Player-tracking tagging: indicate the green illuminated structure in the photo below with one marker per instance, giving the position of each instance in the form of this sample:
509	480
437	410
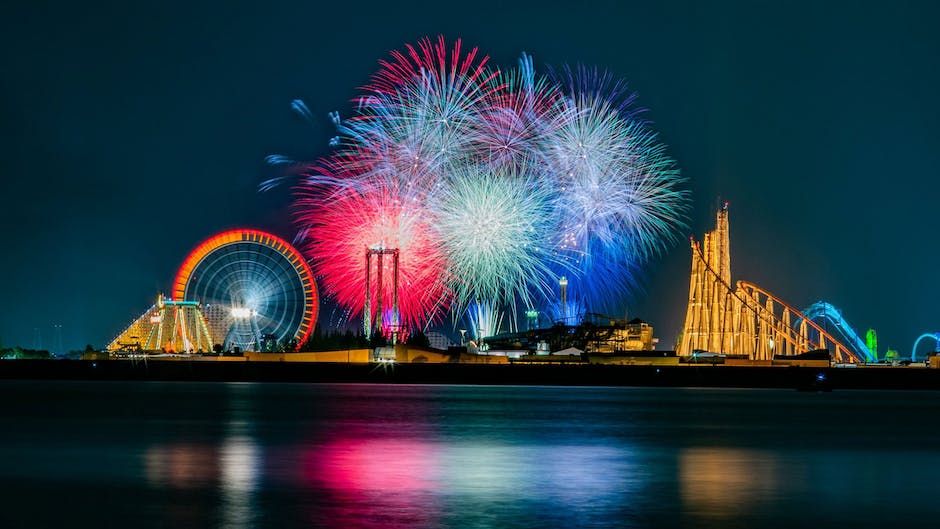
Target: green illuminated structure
891	356
871	341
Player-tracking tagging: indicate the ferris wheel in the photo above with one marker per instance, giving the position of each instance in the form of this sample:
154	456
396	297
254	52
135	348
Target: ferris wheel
254	289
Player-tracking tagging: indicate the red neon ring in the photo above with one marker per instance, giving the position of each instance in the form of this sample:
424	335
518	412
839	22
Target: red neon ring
311	300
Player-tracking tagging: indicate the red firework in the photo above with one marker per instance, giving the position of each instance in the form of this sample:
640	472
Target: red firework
373	192
430	58
341	229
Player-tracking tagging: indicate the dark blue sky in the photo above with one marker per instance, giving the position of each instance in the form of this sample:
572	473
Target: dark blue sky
131	133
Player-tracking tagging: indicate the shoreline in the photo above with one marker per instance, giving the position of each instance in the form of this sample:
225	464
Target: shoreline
802	378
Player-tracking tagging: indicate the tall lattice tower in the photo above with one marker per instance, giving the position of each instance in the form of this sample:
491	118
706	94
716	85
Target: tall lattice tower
717	246
375	321
708	303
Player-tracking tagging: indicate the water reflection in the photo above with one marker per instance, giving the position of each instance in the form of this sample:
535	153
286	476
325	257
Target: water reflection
397	457
373	465
241	463
285	455
396	482
181	466
233	466
725	482
240	460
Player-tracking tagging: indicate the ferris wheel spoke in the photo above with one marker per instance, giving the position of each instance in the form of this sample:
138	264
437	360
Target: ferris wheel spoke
251	286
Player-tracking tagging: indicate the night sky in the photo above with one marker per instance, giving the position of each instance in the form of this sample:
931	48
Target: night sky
131	133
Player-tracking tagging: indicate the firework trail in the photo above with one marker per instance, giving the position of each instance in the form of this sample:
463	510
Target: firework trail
302	110
484	319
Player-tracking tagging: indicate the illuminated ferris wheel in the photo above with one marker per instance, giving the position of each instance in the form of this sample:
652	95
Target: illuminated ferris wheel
254	289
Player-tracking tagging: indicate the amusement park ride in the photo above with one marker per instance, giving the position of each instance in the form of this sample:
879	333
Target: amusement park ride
250	290
240	289
375	321
744	319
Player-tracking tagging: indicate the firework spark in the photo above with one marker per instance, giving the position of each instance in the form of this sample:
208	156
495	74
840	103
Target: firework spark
492	184
418	117
618	205
340	231
491	226
485	319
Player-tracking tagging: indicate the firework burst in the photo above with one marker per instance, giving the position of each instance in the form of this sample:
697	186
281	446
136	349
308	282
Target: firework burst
341	230
491	184
491	226
418	117
617	199
519	117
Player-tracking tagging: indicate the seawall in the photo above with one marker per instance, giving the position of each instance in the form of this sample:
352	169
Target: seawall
807	378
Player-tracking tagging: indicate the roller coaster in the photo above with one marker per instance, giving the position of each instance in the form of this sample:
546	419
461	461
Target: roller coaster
743	319
831	318
934	335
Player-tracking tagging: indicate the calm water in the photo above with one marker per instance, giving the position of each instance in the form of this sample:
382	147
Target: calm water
82	454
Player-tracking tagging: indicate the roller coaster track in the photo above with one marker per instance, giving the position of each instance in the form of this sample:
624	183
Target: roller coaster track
934	335
826	312
745	319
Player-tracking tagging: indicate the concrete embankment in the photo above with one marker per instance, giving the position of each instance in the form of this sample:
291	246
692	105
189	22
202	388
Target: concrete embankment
808	378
